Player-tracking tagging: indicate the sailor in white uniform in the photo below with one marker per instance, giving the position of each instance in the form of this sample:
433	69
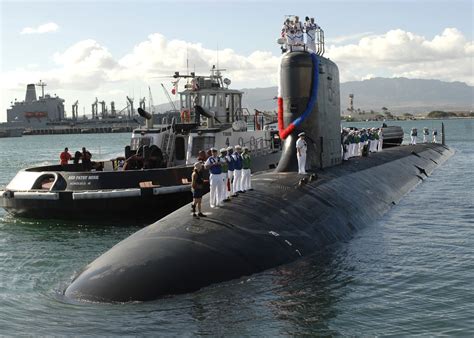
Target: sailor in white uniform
380	145
435	133
299	36
215	170
284	31
246	170
237	184
310	29
426	133
290	37
413	134
301	148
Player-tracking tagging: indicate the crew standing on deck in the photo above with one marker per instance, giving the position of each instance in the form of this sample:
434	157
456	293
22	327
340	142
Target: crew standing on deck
65	157
413	134
301	148
230	169
215	170
237	187
246	171
310	29
197	188
225	193
380	145
435	133
426	133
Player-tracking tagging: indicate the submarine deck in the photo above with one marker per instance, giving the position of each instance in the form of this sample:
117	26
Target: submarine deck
278	222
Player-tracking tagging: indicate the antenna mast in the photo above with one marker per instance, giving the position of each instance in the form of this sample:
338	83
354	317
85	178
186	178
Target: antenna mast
42	85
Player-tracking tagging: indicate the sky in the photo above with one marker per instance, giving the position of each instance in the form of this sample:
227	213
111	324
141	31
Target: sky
111	49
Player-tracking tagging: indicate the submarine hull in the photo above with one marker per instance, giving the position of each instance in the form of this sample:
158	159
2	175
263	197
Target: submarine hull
286	217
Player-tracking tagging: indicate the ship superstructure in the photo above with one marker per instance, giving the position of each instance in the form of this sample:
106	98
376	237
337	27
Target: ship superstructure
36	112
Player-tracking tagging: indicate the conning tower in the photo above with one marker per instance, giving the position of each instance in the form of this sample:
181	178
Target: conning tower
309	101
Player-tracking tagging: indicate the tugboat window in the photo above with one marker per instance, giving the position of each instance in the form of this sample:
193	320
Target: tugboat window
202	143
180	153
138	142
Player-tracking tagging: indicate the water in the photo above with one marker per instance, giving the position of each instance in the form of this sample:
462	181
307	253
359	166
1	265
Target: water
410	273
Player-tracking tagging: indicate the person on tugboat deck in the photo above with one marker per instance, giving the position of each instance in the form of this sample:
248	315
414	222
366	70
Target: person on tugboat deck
197	188
86	159
65	157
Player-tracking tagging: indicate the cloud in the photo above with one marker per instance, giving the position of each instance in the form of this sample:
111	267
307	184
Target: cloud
88	65
447	56
159	56
345	38
41	29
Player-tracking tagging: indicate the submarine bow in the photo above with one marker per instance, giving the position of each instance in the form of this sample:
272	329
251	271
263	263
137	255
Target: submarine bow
286	217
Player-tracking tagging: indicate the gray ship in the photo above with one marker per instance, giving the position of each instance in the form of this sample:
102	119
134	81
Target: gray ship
46	115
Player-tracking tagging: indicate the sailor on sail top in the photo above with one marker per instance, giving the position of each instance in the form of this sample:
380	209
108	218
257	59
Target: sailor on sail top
225	192
301	148
231	168
284	31
435	133
246	172
215	170
237	184
290	36
310	29
413	134
299	37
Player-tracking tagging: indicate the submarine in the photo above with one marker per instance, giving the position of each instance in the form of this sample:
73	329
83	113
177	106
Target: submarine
287	216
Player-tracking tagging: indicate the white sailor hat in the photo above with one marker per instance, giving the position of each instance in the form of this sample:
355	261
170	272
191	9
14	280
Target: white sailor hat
238	146
301	134
213	149
230	148
223	150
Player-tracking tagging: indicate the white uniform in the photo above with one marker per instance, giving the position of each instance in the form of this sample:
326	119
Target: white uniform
225	193
215	181
246	173
284	31
413	134
299	36
290	38
426	133
310	29
301	155
380	145
435	133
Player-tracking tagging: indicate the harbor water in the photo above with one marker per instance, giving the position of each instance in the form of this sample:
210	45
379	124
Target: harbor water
410	273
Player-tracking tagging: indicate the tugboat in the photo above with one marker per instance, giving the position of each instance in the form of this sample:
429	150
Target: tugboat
152	179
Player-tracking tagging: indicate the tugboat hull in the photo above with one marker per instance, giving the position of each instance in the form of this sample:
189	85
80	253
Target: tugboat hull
135	196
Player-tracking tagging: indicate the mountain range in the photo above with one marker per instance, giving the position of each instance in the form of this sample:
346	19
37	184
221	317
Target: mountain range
398	95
